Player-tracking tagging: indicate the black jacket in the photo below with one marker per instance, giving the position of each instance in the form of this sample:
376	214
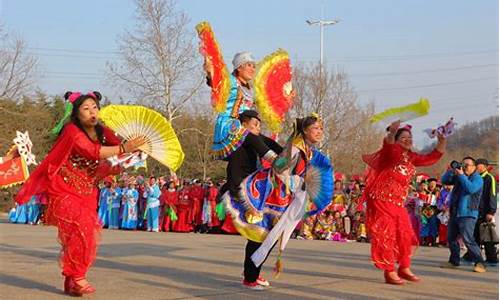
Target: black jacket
243	161
488	202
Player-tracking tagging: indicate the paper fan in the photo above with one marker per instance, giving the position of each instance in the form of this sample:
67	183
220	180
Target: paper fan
131	121
319	181
273	89
403	113
221	82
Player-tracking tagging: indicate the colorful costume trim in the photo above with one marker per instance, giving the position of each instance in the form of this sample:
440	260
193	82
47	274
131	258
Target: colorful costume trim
265	195
259	194
234	138
228	132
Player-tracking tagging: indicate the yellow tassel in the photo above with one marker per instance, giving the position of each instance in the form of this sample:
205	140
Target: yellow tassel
278	267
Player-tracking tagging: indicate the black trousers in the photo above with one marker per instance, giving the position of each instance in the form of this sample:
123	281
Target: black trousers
490	249
250	271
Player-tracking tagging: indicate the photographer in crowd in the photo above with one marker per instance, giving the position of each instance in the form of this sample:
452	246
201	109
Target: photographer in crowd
464	206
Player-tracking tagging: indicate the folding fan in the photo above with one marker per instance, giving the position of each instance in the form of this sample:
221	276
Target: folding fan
319	181
221	82
132	121
273	89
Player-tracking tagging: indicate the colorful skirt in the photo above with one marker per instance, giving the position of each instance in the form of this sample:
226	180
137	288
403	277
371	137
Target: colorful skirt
228	136
263	199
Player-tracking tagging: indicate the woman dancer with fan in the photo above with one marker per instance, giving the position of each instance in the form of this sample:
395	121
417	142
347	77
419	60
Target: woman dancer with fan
233	93
229	134
273	200
390	172
69	176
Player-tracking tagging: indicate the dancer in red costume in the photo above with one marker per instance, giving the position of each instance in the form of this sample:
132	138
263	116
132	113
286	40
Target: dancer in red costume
197	195
211	193
69	176
183	223
391	170
170	197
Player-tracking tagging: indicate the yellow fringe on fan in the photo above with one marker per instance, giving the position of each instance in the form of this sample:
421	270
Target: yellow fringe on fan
220	93
265	67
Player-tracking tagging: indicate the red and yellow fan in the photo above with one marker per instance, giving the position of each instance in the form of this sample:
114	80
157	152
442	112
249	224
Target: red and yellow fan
221	81
273	89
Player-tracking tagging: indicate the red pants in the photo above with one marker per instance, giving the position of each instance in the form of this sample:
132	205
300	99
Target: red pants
78	230
167	223
183	223
391	235
161	216
443	234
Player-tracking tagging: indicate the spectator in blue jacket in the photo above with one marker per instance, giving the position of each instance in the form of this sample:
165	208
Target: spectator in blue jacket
464	205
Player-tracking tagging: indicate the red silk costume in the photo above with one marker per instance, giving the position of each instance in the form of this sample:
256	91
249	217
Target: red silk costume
197	195
183	223
68	176
170	198
212	192
388	223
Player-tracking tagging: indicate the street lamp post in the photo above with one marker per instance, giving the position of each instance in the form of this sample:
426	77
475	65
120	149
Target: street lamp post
321	24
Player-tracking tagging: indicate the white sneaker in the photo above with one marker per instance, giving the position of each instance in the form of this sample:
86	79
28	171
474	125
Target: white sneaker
262	281
252	286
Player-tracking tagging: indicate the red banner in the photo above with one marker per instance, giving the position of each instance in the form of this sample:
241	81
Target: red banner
13	172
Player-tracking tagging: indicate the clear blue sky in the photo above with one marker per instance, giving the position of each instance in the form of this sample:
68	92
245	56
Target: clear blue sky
395	51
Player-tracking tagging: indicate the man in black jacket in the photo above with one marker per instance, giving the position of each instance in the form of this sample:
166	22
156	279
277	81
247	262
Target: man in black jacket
487	209
241	163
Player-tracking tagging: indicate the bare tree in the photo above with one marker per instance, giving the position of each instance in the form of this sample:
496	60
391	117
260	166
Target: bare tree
159	64
195	132
17	67
348	132
328	94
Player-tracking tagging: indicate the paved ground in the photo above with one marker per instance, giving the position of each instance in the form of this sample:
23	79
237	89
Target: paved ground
141	265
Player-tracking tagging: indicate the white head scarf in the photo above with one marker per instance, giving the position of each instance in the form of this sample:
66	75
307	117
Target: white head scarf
242	58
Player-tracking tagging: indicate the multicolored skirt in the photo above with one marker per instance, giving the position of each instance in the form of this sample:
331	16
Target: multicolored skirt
228	136
262	200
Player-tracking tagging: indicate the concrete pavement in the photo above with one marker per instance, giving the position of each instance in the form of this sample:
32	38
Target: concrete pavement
143	265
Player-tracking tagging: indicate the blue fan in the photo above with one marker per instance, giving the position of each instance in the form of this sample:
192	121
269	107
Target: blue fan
319	182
